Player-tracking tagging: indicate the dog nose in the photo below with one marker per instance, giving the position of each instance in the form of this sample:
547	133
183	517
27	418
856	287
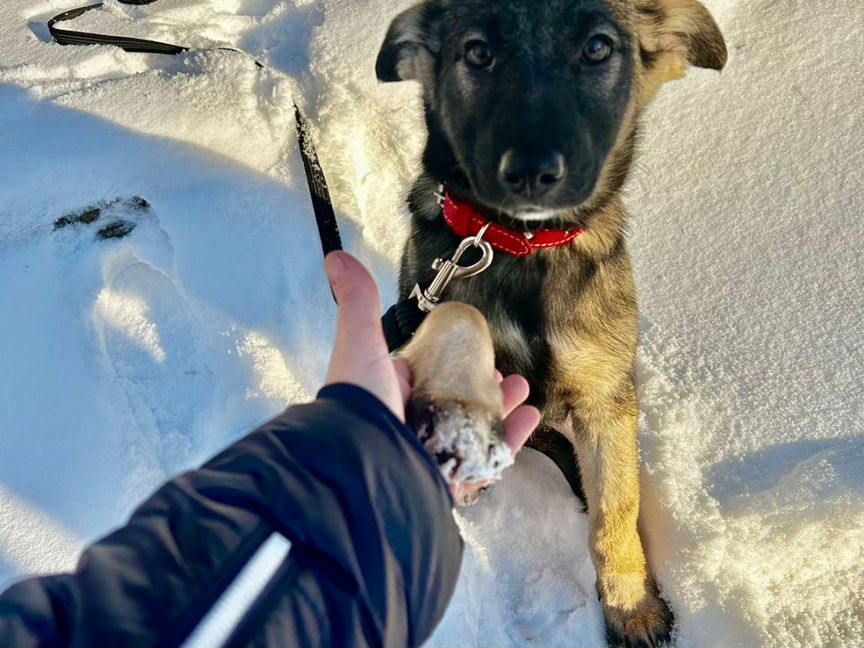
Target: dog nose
531	175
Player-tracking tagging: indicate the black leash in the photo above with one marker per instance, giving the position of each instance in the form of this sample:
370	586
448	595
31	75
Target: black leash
322	205
400	321
67	37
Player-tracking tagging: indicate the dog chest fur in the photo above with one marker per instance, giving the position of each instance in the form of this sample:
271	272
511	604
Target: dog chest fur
553	316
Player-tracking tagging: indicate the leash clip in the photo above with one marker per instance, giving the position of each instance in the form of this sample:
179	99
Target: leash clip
448	270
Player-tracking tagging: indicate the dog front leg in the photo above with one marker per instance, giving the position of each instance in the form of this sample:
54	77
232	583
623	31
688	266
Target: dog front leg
607	450
456	405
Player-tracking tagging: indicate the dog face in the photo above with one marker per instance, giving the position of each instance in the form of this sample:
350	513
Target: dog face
537	100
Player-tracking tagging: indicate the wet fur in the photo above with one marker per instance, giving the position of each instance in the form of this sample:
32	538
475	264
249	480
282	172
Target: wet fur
566	319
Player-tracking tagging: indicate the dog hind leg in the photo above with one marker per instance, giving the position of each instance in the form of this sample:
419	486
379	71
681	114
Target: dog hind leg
560	451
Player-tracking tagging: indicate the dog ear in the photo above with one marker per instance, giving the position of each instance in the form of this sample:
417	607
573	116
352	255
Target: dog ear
407	45
685	30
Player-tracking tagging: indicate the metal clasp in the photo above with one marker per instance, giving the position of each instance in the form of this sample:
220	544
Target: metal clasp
450	270
440	196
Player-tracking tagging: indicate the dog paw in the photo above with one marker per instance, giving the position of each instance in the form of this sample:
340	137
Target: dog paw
648	624
466	439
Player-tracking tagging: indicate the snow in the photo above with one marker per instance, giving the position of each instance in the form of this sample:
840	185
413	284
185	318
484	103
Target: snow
127	360
469	439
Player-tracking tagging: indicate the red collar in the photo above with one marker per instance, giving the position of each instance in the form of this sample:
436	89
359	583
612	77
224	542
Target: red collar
464	219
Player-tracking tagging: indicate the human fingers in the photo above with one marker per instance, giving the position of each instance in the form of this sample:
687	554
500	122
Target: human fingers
515	391
360	355
519	425
405	378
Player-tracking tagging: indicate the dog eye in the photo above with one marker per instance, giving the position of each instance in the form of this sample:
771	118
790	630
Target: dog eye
597	50
479	55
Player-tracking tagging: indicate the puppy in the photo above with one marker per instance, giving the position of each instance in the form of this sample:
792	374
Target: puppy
532	109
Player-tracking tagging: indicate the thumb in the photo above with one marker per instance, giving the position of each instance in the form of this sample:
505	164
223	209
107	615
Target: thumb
359	337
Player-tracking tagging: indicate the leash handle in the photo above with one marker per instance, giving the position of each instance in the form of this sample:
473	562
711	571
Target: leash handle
139	45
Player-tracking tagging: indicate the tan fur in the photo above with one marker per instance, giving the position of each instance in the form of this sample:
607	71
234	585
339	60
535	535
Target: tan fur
677	42
453	359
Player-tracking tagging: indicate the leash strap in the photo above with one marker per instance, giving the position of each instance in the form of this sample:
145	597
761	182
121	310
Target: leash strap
400	322
322	204
68	37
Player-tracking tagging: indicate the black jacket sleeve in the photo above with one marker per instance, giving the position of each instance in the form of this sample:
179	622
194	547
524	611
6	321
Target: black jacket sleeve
374	551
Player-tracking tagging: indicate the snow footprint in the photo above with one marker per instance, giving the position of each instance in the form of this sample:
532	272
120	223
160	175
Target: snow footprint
552	608
149	337
146	328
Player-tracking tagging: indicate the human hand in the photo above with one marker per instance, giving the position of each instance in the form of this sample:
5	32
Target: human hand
360	357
